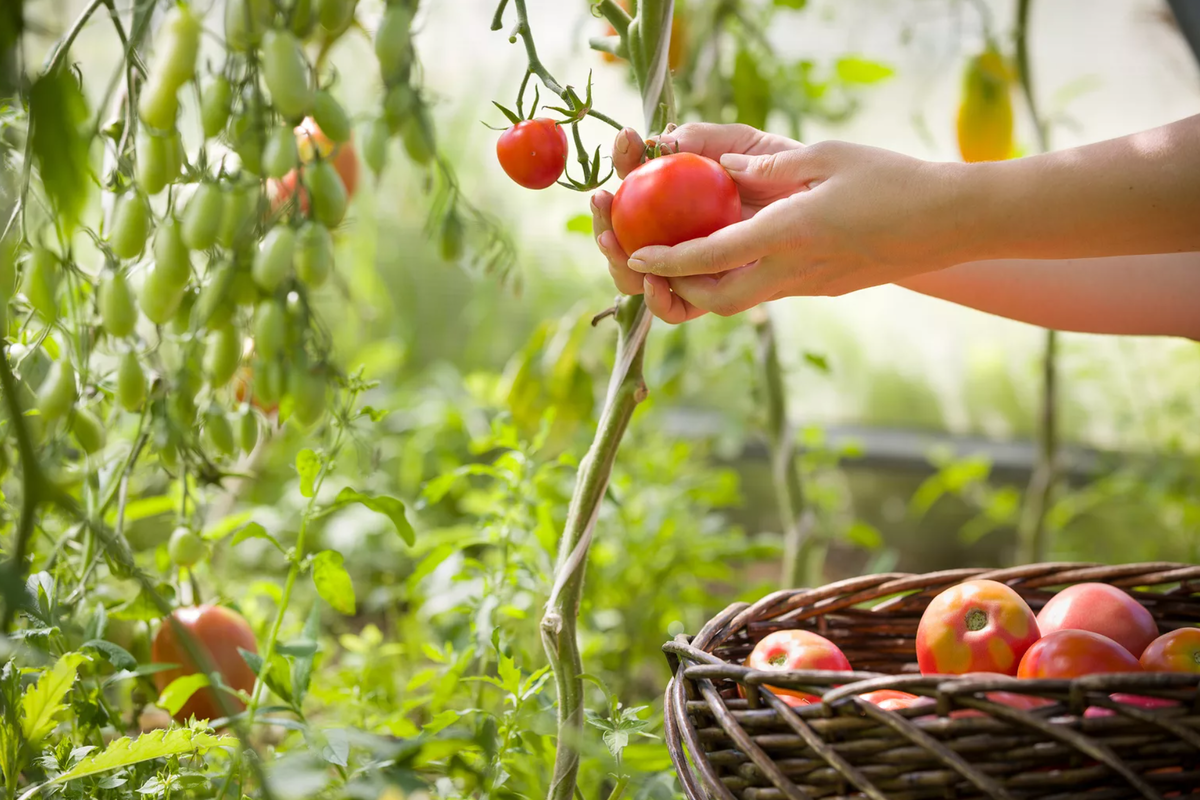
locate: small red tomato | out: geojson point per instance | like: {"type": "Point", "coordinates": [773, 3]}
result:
{"type": "Point", "coordinates": [890, 699]}
{"type": "Point", "coordinates": [219, 632]}
{"type": "Point", "coordinates": [977, 626]}
{"type": "Point", "coordinates": [1072, 654]}
{"type": "Point", "coordinates": [311, 141]}
{"type": "Point", "coordinates": [791, 650]}
{"type": "Point", "coordinates": [1177, 651]}
{"type": "Point", "coordinates": [533, 152]}
{"type": "Point", "coordinates": [1137, 700]}
{"type": "Point", "coordinates": [1102, 609]}
{"type": "Point", "coordinates": [673, 199]}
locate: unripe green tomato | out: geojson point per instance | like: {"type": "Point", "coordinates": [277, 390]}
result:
{"type": "Point", "coordinates": [218, 433]}
{"type": "Point", "coordinates": [302, 18]}
{"type": "Point", "coordinates": [118, 311]}
{"type": "Point", "coordinates": [186, 548]}
{"type": "Point", "coordinates": [314, 254]}
{"type": "Point", "coordinates": [161, 295]}
{"type": "Point", "coordinates": [58, 392]}
{"type": "Point", "coordinates": [307, 388]}
{"type": "Point", "coordinates": [327, 193]}
{"type": "Point", "coordinates": [270, 329]}
{"type": "Point", "coordinates": [174, 156]}
{"type": "Point", "coordinates": [177, 45]}
{"type": "Point", "coordinates": [158, 104]}
{"type": "Point", "coordinates": [168, 454]}
{"type": "Point", "coordinates": [281, 153]}
{"type": "Point", "coordinates": [273, 262]}
{"type": "Point", "coordinates": [248, 137]}
{"type": "Point", "coordinates": [243, 291]}
{"type": "Point", "coordinates": [245, 21]}
{"type": "Point", "coordinates": [331, 117]}
{"type": "Point", "coordinates": [417, 134]}
{"type": "Point", "coordinates": [215, 103]}
{"type": "Point", "coordinates": [451, 239]}
{"type": "Point", "coordinates": [131, 225]}
{"type": "Point", "coordinates": [88, 431]}
{"type": "Point", "coordinates": [285, 73]}
{"type": "Point", "coordinates": [181, 406]}
{"type": "Point", "coordinates": [171, 257]}
{"type": "Point", "coordinates": [42, 274]}
{"type": "Point", "coordinates": [202, 217]}
{"type": "Point", "coordinates": [375, 146]}
{"type": "Point", "coordinates": [213, 308]}
{"type": "Point", "coordinates": [222, 354]}
{"type": "Point", "coordinates": [270, 381]}
{"type": "Point", "coordinates": [238, 215]}
{"type": "Point", "coordinates": [248, 430]}
{"type": "Point", "coordinates": [131, 382]}
{"type": "Point", "coordinates": [393, 43]}
{"type": "Point", "coordinates": [181, 320]}
{"type": "Point", "coordinates": [335, 15]}
{"type": "Point", "coordinates": [154, 159]}
{"type": "Point", "coordinates": [398, 106]}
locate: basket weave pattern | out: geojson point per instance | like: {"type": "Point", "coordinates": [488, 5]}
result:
{"type": "Point", "coordinates": [759, 748]}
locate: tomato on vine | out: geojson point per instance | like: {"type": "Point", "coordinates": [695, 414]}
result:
{"type": "Point", "coordinates": [202, 217]}
{"type": "Point", "coordinates": [307, 388]}
{"type": "Point", "coordinates": [533, 152]}
{"type": "Point", "coordinates": [375, 146]}
{"type": "Point", "coordinates": [171, 256]}
{"type": "Point", "coordinates": [285, 73]}
{"type": "Point", "coordinates": [417, 135]}
{"type": "Point", "coordinates": [88, 431]}
{"type": "Point", "coordinates": [218, 433]}
{"type": "Point", "coordinates": [328, 193]}
{"type": "Point", "coordinates": [161, 295]}
{"type": "Point", "coordinates": [130, 226]}
{"type": "Point", "coordinates": [57, 393]}
{"type": "Point", "coordinates": [131, 382]}
{"type": "Point", "coordinates": [281, 154]}
{"type": "Point", "coordinates": [247, 430]}
{"type": "Point", "coordinates": [270, 329]}
{"type": "Point", "coordinates": [313, 144]}
{"type": "Point", "coordinates": [393, 43]}
{"type": "Point", "coordinates": [335, 15]}
{"type": "Point", "coordinates": [42, 275]}
{"type": "Point", "coordinates": [222, 354]}
{"type": "Point", "coordinates": [118, 311]}
{"type": "Point", "coordinates": [215, 104]}
{"type": "Point", "coordinates": [185, 547]}
{"type": "Point", "coordinates": [158, 104]}
{"type": "Point", "coordinates": [330, 118]}
{"type": "Point", "coordinates": [274, 260]}
{"type": "Point", "coordinates": [314, 254]}
{"type": "Point", "coordinates": [245, 21]}
{"type": "Point", "coordinates": [154, 160]}
{"type": "Point", "coordinates": [220, 633]}
{"type": "Point", "coordinates": [177, 47]}
{"type": "Point", "coordinates": [239, 213]}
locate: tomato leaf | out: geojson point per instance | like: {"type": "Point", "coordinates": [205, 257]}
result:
{"type": "Point", "coordinates": [308, 464]}
{"type": "Point", "coordinates": [125, 752]}
{"type": "Point", "coordinates": [58, 115]}
{"type": "Point", "coordinates": [116, 655]}
{"type": "Point", "coordinates": [180, 690]}
{"type": "Point", "coordinates": [333, 582]}
{"type": "Point", "coordinates": [818, 361]}
{"type": "Point", "coordinates": [226, 526]}
{"type": "Point", "coordinates": [303, 652]}
{"type": "Point", "coordinates": [42, 702]}
{"type": "Point", "coordinates": [390, 507]}
{"type": "Point", "coordinates": [255, 531]}
{"type": "Point", "coordinates": [793, 4]}
{"type": "Point", "coordinates": [275, 676]}
{"type": "Point", "coordinates": [852, 69]}
{"type": "Point", "coordinates": [581, 223]}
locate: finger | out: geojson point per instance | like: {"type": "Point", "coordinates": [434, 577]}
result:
{"type": "Point", "coordinates": [765, 179]}
{"type": "Point", "coordinates": [666, 305]}
{"type": "Point", "coordinates": [627, 281]}
{"type": "Point", "coordinates": [733, 246]}
{"type": "Point", "coordinates": [713, 140]}
{"type": "Point", "coordinates": [728, 293]}
{"type": "Point", "coordinates": [628, 150]}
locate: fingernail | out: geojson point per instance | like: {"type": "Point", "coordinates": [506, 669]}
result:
{"type": "Point", "coordinates": [670, 127]}
{"type": "Point", "coordinates": [648, 286]}
{"type": "Point", "coordinates": [600, 241]}
{"type": "Point", "coordinates": [735, 162]}
{"type": "Point", "coordinates": [623, 142]}
{"type": "Point", "coordinates": [638, 265]}
{"type": "Point", "coordinates": [594, 203]}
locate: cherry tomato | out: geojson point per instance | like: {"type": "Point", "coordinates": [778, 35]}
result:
{"type": "Point", "coordinates": [985, 113]}
{"type": "Point", "coordinates": [174, 156]}
{"type": "Point", "coordinates": [153, 161]}
{"type": "Point", "coordinates": [314, 254]}
{"type": "Point", "coordinates": [215, 103]}
{"type": "Point", "coordinates": [248, 430]}
{"type": "Point", "coordinates": [42, 274]}
{"type": "Point", "coordinates": [131, 225]}
{"type": "Point", "coordinates": [177, 44]}
{"type": "Point", "coordinates": [57, 393]}
{"type": "Point", "coordinates": [118, 311]}
{"type": "Point", "coordinates": [181, 320]}
{"type": "Point", "coordinates": [131, 382]}
{"type": "Point", "coordinates": [375, 146]}
{"type": "Point", "coordinates": [302, 18]}
{"type": "Point", "coordinates": [335, 15]}
{"type": "Point", "coordinates": [158, 104]}
{"type": "Point", "coordinates": [331, 118]}
{"type": "Point", "coordinates": [274, 260]}
{"type": "Point", "coordinates": [186, 548]}
{"type": "Point", "coordinates": [976, 626]}
{"type": "Point", "coordinates": [797, 650]}
{"type": "Point", "coordinates": [161, 295]}
{"type": "Point", "coordinates": [417, 135]}
{"type": "Point", "coordinates": [222, 354]}
{"type": "Point", "coordinates": [1072, 654]}
{"type": "Point", "coordinates": [239, 212]}
{"type": "Point", "coordinates": [673, 199]}
{"type": "Point", "coordinates": [890, 699]}
{"type": "Point", "coordinates": [534, 152]}
{"type": "Point", "coordinates": [270, 383]}
{"type": "Point", "coordinates": [247, 133]}
{"type": "Point", "coordinates": [245, 21]}
{"type": "Point", "coordinates": [218, 433]}
{"type": "Point", "coordinates": [393, 43]}
{"type": "Point", "coordinates": [285, 73]}
{"type": "Point", "coordinates": [280, 155]}
{"type": "Point", "coordinates": [202, 217]}
{"type": "Point", "coordinates": [243, 291]}
{"type": "Point", "coordinates": [88, 431]}
{"type": "Point", "coordinates": [213, 309]}
{"type": "Point", "coordinates": [329, 196]}
{"type": "Point", "coordinates": [219, 633]}
{"type": "Point", "coordinates": [1177, 651]}
{"type": "Point", "coordinates": [307, 388]}
{"type": "Point", "coordinates": [1103, 609]}
{"type": "Point", "coordinates": [270, 329]}
{"type": "Point", "coordinates": [171, 256]}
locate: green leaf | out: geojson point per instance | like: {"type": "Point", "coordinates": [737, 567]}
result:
{"type": "Point", "coordinates": [58, 117]}
{"type": "Point", "coordinates": [333, 582]}
{"type": "Point", "coordinates": [852, 69]}
{"type": "Point", "coordinates": [864, 535]}
{"type": "Point", "coordinates": [390, 507]}
{"type": "Point", "coordinates": [308, 464]}
{"type": "Point", "coordinates": [441, 721]}
{"type": "Point", "coordinates": [180, 690]}
{"type": "Point", "coordinates": [116, 655]}
{"type": "Point", "coordinates": [226, 526]}
{"type": "Point", "coordinates": [255, 531]}
{"type": "Point", "coordinates": [581, 223]}
{"type": "Point", "coordinates": [275, 676]}
{"type": "Point", "coordinates": [510, 675]}
{"type": "Point", "coordinates": [143, 606]}
{"type": "Point", "coordinates": [751, 92]}
{"type": "Point", "coordinates": [818, 362]}
{"type": "Point", "coordinates": [302, 664]}
{"type": "Point", "coordinates": [793, 4]}
{"type": "Point", "coordinates": [42, 701]}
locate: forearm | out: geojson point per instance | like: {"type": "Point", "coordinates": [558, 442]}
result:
{"type": "Point", "coordinates": [1135, 195]}
{"type": "Point", "coordinates": [1148, 295]}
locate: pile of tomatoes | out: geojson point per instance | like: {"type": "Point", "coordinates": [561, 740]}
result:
{"type": "Point", "coordinates": [984, 628]}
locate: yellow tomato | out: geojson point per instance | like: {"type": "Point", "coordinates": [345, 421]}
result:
{"type": "Point", "coordinates": [985, 115]}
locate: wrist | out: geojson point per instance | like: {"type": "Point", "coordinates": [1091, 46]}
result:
{"type": "Point", "coordinates": [963, 216]}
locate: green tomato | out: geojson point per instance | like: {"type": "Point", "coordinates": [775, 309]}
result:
{"type": "Point", "coordinates": [393, 44]}
{"type": "Point", "coordinates": [181, 406]}
{"type": "Point", "coordinates": [375, 146]}
{"type": "Point", "coordinates": [58, 392]}
{"type": "Point", "coordinates": [327, 193]}
{"type": "Point", "coordinates": [161, 295]}
{"type": "Point", "coordinates": [131, 382]}
{"type": "Point", "coordinates": [273, 263]}
{"type": "Point", "coordinates": [215, 103]}
{"type": "Point", "coordinates": [181, 320]}
{"type": "Point", "coordinates": [450, 240]}
{"type": "Point", "coordinates": [202, 217]}
{"type": "Point", "coordinates": [331, 117]}
{"type": "Point", "coordinates": [213, 308]}
{"type": "Point", "coordinates": [42, 274]}
{"type": "Point", "coordinates": [222, 354]}
{"type": "Point", "coordinates": [398, 106]}
{"type": "Point", "coordinates": [308, 390]}
{"type": "Point", "coordinates": [171, 256]}
{"type": "Point", "coordinates": [218, 433]}
{"type": "Point", "coordinates": [314, 254]}
{"type": "Point", "coordinates": [248, 137]}
{"type": "Point", "coordinates": [270, 381]}
{"type": "Point", "coordinates": [131, 225]}
{"type": "Point", "coordinates": [301, 18]}
{"type": "Point", "coordinates": [245, 21]}
{"type": "Point", "coordinates": [238, 215]}
{"type": "Point", "coordinates": [158, 104]}
{"type": "Point", "coordinates": [417, 134]}
{"type": "Point", "coordinates": [186, 548]}
{"type": "Point", "coordinates": [174, 156]}
{"type": "Point", "coordinates": [335, 15]}
{"type": "Point", "coordinates": [285, 72]}
{"type": "Point", "coordinates": [153, 161]}
{"type": "Point", "coordinates": [177, 46]}
{"type": "Point", "coordinates": [243, 291]}
{"type": "Point", "coordinates": [281, 153]}
{"type": "Point", "coordinates": [118, 311]}
{"type": "Point", "coordinates": [270, 329]}
{"type": "Point", "coordinates": [88, 431]}
{"type": "Point", "coordinates": [168, 455]}
{"type": "Point", "coordinates": [248, 430]}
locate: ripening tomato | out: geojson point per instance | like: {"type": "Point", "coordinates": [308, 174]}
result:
{"type": "Point", "coordinates": [890, 699]}
{"type": "Point", "coordinates": [314, 254]}
{"type": "Point", "coordinates": [118, 311]}
{"type": "Point", "coordinates": [57, 393]}
{"type": "Point", "coordinates": [270, 329]}
{"type": "Point", "coordinates": [330, 118]}
{"type": "Point", "coordinates": [1072, 654]}
{"type": "Point", "coordinates": [393, 43]}
{"type": "Point", "coordinates": [131, 225]}
{"type": "Point", "coordinates": [1023, 702]}
{"type": "Point", "coordinates": [42, 275]}
{"type": "Point", "coordinates": [88, 431]}
{"type": "Point", "coordinates": [797, 650]}
{"type": "Point", "coordinates": [1177, 651]}
{"type": "Point", "coordinates": [153, 161]}
{"type": "Point", "coordinates": [202, 217]}
{"type": "Point", "coordinates": [273, 262]}
{"type": "Point", "coordinates": [672, 199]}
{"type": "Point", "coordinates": [976, 626]}
{"type": "Point", "coordinates": [1103, 609]}
{"type": "Point", "coordinates": [215, 103]}
{"type": "Point", "coordinates": [285, 73]}
{"type": "Point", "coordinates": [1135, 700]}
{"type": "Point", "coordinates": [533, 152]}
{"type": "Point", "coordinates": [985, 114]}
{"type": "Point", "coordinates": [186, 548]}
{"type": "Point", "coordinates": [218, 633]}
{"type": "Point", "coordinates": [313, 143]}
{"type": "Point", "coordinates": [222, 354]}
{"type": "Point", "coordinates": [131, 382]}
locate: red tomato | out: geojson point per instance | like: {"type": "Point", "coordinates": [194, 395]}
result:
{"type": "Point", "coordinates": [673, 199]}
{"type": "Point", "coordinates": [1072, 654]}
{"type": "Point", "coordinates": [1140, 701]}
{"type": "Point", "coordinates": [890, 699]}
{"type": "Point", "coordinates": [1102, 609]}
{"type": "Point", "coordinates": [791, 650]}
{"type": "Point", "coordinates": [1177, 651]}
{"type": "Point", "coordinates": [220, 632]}
{"type": "Point", "coordinates": [977, 626]}
{"type": "Point", "coordinates": [533, 152]}
{"type": "Point", "coordinates": [310, 141]}
{"type": "Point", "coordinates": [1023, 702]}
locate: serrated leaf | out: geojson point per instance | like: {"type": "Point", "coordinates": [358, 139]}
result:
{"type": "Point", "coordinates": [58, 116]}
{"type": "Point", "coordinates": [333, 582]}
{"type": "Point", "coordinates": [42, 702]}
{"type": "Point", "coordinates": [390, 507]}
{"type": "Point", "coordinates": [116, 655]}
{"type": "Point", "coordinates": [308, 465]}
{"type": "Point", "coordinates": [581, 223]}
{"type": "Point", "coordinates": [143, 607]}
{"type": "Point", "coordinates": [179, 691]}
{"type": "Point", "coordinates": [510, 675]}
{"type": "Point", "coordinates": [440, 722]}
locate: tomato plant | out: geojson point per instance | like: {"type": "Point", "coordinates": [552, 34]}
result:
{"type": "Point", "coordinates": [1103, 609]}
{"type": "Point", "coordinates": [1073, 654]}
{"type": "Point", "coordinates": [976, 626]}
{"type": "Point", "coordinates": [219, 633]}
{"type": "Point", "coordinates": [533, 152]}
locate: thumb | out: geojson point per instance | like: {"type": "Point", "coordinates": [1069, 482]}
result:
{"type": "Point", "coordinates": [773, 176]}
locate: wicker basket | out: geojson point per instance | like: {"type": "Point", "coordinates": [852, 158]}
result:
{"type": "Point", "coordinates": [758, 748]}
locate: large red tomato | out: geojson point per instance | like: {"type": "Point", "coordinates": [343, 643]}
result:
{"type": "Point", "coordinates": [672, 199]}
{"type": "Point", "coordinates": [1073, 654]}
{"type": "Point", "coordinates": [533, 152]}
{"type": "Point", "coordinates": [310, 141]}
{"type": "Point", "coordinates": [890, 699]}
{"type": "Point", "coordinates": [1102, 609]}
{"type": "Point", "coordinates": [1177, 651]}
{"type": "Point", "coordinates": [791, 650]}
{"type": "Point", "coordinates": [977, 626]}
{"type": "Point", "coordinates": [220, 632]}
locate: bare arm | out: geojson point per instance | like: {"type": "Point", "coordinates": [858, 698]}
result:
{"type": "Point", "coordinates": [1148, 295]}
